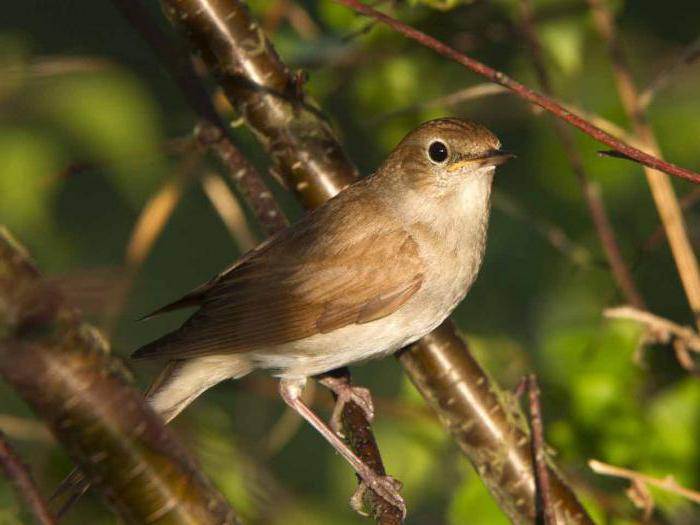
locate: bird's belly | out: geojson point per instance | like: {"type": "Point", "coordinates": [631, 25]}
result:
{"type": "Point", "coordinates": [358, 342]}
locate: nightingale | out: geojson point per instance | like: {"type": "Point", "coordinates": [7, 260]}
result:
{"type": "Point", "coordinates": [375, 268]}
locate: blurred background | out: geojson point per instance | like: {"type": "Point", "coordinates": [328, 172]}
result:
{"type": "Point", "coordinates": [98, 178]}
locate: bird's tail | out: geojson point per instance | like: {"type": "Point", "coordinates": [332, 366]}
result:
{"type": "Point", "coordinates": [180, 383]}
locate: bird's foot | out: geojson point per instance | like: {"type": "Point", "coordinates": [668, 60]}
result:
{"type": "Point", "coordinates": [345, 392]}
{"type": "Point", "coordinates": [384, 486]}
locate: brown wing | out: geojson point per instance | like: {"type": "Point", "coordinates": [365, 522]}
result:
{"type": "Point", "coordinates": [286, 291]}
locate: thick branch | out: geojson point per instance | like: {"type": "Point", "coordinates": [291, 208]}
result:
{"type": "Point", "coordinates": [524, 92]}
{"type": "Point", "coordinates": [487, 425]}
{"type": "Point", "coordinates": [312, 161]}
{"type": "Point", "coordinates": [62, 368]}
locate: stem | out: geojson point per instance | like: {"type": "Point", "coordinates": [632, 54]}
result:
{"type": "Point", "coordinates": [21, 479]}
{"type": "Point", "coordinates": [668, 483]}
{"type": "Point", "coordinates": [590, 190]}
{"type": "Point", "coordinates": [659, 183]}
{"type": "Point", "coordinates": [545, 512]}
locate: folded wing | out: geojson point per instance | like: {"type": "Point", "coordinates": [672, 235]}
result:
{"type": "Point", "coordinates": [286, 291]}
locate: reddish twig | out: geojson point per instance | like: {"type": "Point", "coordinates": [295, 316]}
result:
{"type": "Point", "coordinates": [20, 477]}
{"type": "Point", "coordinates": [659, 183]}
{"type": "Point", "coordinates": [543, 504]}
{"type": "Point", "coordinates": [524, 92]}
{"type": "Point", "coordinates": [590, 190]}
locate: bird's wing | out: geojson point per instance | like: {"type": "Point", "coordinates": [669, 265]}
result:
{"type": "Point", "coordinates": [286, 291]}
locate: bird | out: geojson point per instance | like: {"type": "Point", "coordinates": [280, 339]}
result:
{"type": "Point", "coordinates": [375, 268]}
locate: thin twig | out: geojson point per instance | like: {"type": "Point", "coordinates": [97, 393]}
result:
{"type": "Point", "coordinates": [25, 428]}
{"type": "Point", "coordinates": [477, 91]}
{"type": "Point", "coordinates": [549, 231]}
{"type": "Point", "coordinates": [524, 92]}
{"type": "Point", "coordinates": [687, 57]}
{"type": "Point", "coordinates": [21, 479]}
{"type": "Point", "coordinates": [661, 331]}
{"type": "Point", "coordinates": [544, 513]}
{"type": "Point", "coordinates": [659, 183]}
{"type": "Point", "coordinates": [210, 130]}
{"type": "Point", "coordinates": [688, 200]}
{"type": "Point", "coordinates": [229, 209]}
{"type": "Point", "coordinates": [667, 483]}
{"type": "Point", "coordinates": [245, 176]}
{"type": "Point", "coordinates": [590, 190]}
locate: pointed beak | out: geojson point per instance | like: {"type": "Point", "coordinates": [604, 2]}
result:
{"type": "Point", "coordinates": [494, 157]}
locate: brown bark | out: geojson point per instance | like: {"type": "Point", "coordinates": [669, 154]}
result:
{"type": "Point", "coordinates": [62, 368]}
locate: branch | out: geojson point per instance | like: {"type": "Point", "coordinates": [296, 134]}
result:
{"type": "Point", "coordinates": [668, 483]}
{"type": "Point", "coordinates": [20, 477]}
{"type": "Point", "coordinates": [486, 423]}
{"type": "Point", "coordinates": [62, 368]}
{"type": "Point", "coordinates": [590, 190]}
{"type": "Point", "coordinates": [687, 57]}
{"type": "Point", "coordinates": [545, 513]}
{"type": "Point", "coordinates": [524, 92]}
{"type": "Point", "coordinates": [659, 183]}
{"type": "Point", "coordinates": [210, 132]}
{"type": "Point", "coordinates": [662, 331]}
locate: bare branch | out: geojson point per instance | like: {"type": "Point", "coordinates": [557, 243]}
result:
{"type": "Point", "coordinates": [659, 183]}
{"type": "Point", "coordinates": [524, 92]}
{"type": "Point", "coordinates": [230, 211]}
{"type": "Point", "coordinates": [21, 479]}
{"type": "Point", "coordinates": [661, 331]}
{"type": "Point", "coordinates": [545, 511]}
{"type": "Point", "coordinates": [590, 190]}
{"type": "Point", "coordinates": [487, 425]}
{"type": "Point", "coordinates": [62, 368]}
{"type": "Point", "coordinates": [668, 483]}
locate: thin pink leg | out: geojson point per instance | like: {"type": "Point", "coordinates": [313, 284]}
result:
{"type": "Point", "coordinates": [385, 486]}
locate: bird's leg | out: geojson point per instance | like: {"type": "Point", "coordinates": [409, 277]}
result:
{"type": "Point", "coordinates": [345, 391]}
{"type": "Point", "coordinates": [384, 486]}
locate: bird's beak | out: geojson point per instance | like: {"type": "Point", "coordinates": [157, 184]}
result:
{"type": "Point", "coordinates": [495, 157]}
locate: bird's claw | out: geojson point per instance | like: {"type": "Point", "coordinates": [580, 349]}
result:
{"type": "Point", "coordinates": [385, 487]}
{"type": "Point", "coordinates": [357, 394]}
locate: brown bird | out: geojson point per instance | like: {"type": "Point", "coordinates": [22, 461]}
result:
{"type": "Point", "coordinates": [374, 269]}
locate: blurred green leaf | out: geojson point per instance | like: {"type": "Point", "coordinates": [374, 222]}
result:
{"type": "Point", "coordinates": [113, 123]}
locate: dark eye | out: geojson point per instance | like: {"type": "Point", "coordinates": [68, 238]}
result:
{"type": "Point", "coordinates": [437, 151]}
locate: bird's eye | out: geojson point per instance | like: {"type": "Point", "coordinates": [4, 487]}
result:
{"type": "Point", "coordinates": [437, 151]}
